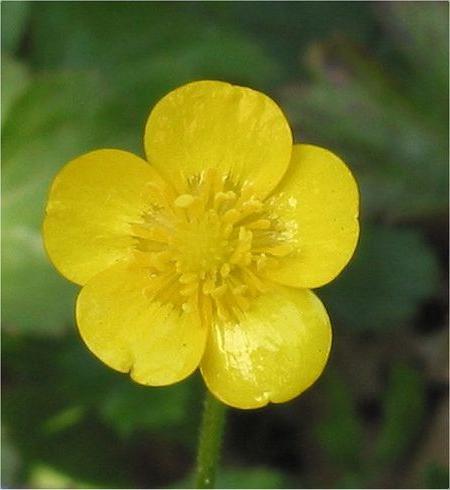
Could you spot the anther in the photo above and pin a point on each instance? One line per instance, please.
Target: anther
(227, 230)
(260, 224)
(160, 260)
(281, 250)
(208, 287)
(225, 270)
(219, 291)
(188, 278)
(252, 206)
(184, 201)
(231, 216)
(239, 290)
(292, 202)
(261, 262)
(186, 307)
(221, 197)
(189, 290)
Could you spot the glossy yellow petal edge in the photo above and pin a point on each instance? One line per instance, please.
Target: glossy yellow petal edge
(126, 325)
(276, 351)
(239, 132)
(318, 199)
(94, 201)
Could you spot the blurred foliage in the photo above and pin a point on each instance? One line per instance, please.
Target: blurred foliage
(340, 431)
(14, 23)
(171, 42)
(50, 121)
(249, 477)
(393, 271)
(14, 81)
(404, 407)
(436, 476)
(390, 125)
(367, 80)
(58, 395)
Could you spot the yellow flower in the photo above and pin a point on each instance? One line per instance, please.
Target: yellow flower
(204, 256)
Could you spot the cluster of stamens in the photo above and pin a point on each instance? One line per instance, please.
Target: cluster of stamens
(207, 249)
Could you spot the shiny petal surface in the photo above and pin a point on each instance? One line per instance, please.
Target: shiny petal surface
(125, 325)
(319, 201)
(209, 124)
(92, 203)
(277, 350)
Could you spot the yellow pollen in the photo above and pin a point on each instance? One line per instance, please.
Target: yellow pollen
(207, 249)
(225, 270)
(231, 216)
(281, 250)
(260, 224)
(184, 201)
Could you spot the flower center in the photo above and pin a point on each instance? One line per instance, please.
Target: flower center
(200, 246)
(207, 249)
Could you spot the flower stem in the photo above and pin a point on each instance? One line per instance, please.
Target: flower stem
(210, 440)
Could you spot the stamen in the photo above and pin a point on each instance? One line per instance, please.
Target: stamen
(188, 278)
(231, 216)
(260, 224)
(184, 201)
(281, 250)
(219, 291)
(225, 270)
(222, 197)
(208, 249)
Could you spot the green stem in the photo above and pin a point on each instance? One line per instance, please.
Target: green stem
(210, 441)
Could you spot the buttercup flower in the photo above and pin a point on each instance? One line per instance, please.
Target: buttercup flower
(204, 255)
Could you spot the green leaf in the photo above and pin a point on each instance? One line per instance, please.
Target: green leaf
(351, 480)
(251, 478)
(266, 22)
(358, 127)
(63, 420)
(59, 395)
(14, 20)
(131, 408)
(11, 461)
(14, 81)
(392, 273)
(340, 432)
(130, 43)
(38, 411)
(46, 476)
(35, 296)
(353, 107)
(248, 477)
(404, 409)
(50, 124)
(436, 476)
(420, 32)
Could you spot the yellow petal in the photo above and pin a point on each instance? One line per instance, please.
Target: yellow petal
(92, 202)
(129, 329)
(319, 201)
(277, 350)
(210, 124)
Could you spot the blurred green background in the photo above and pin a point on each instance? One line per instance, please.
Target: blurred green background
(366, 80)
